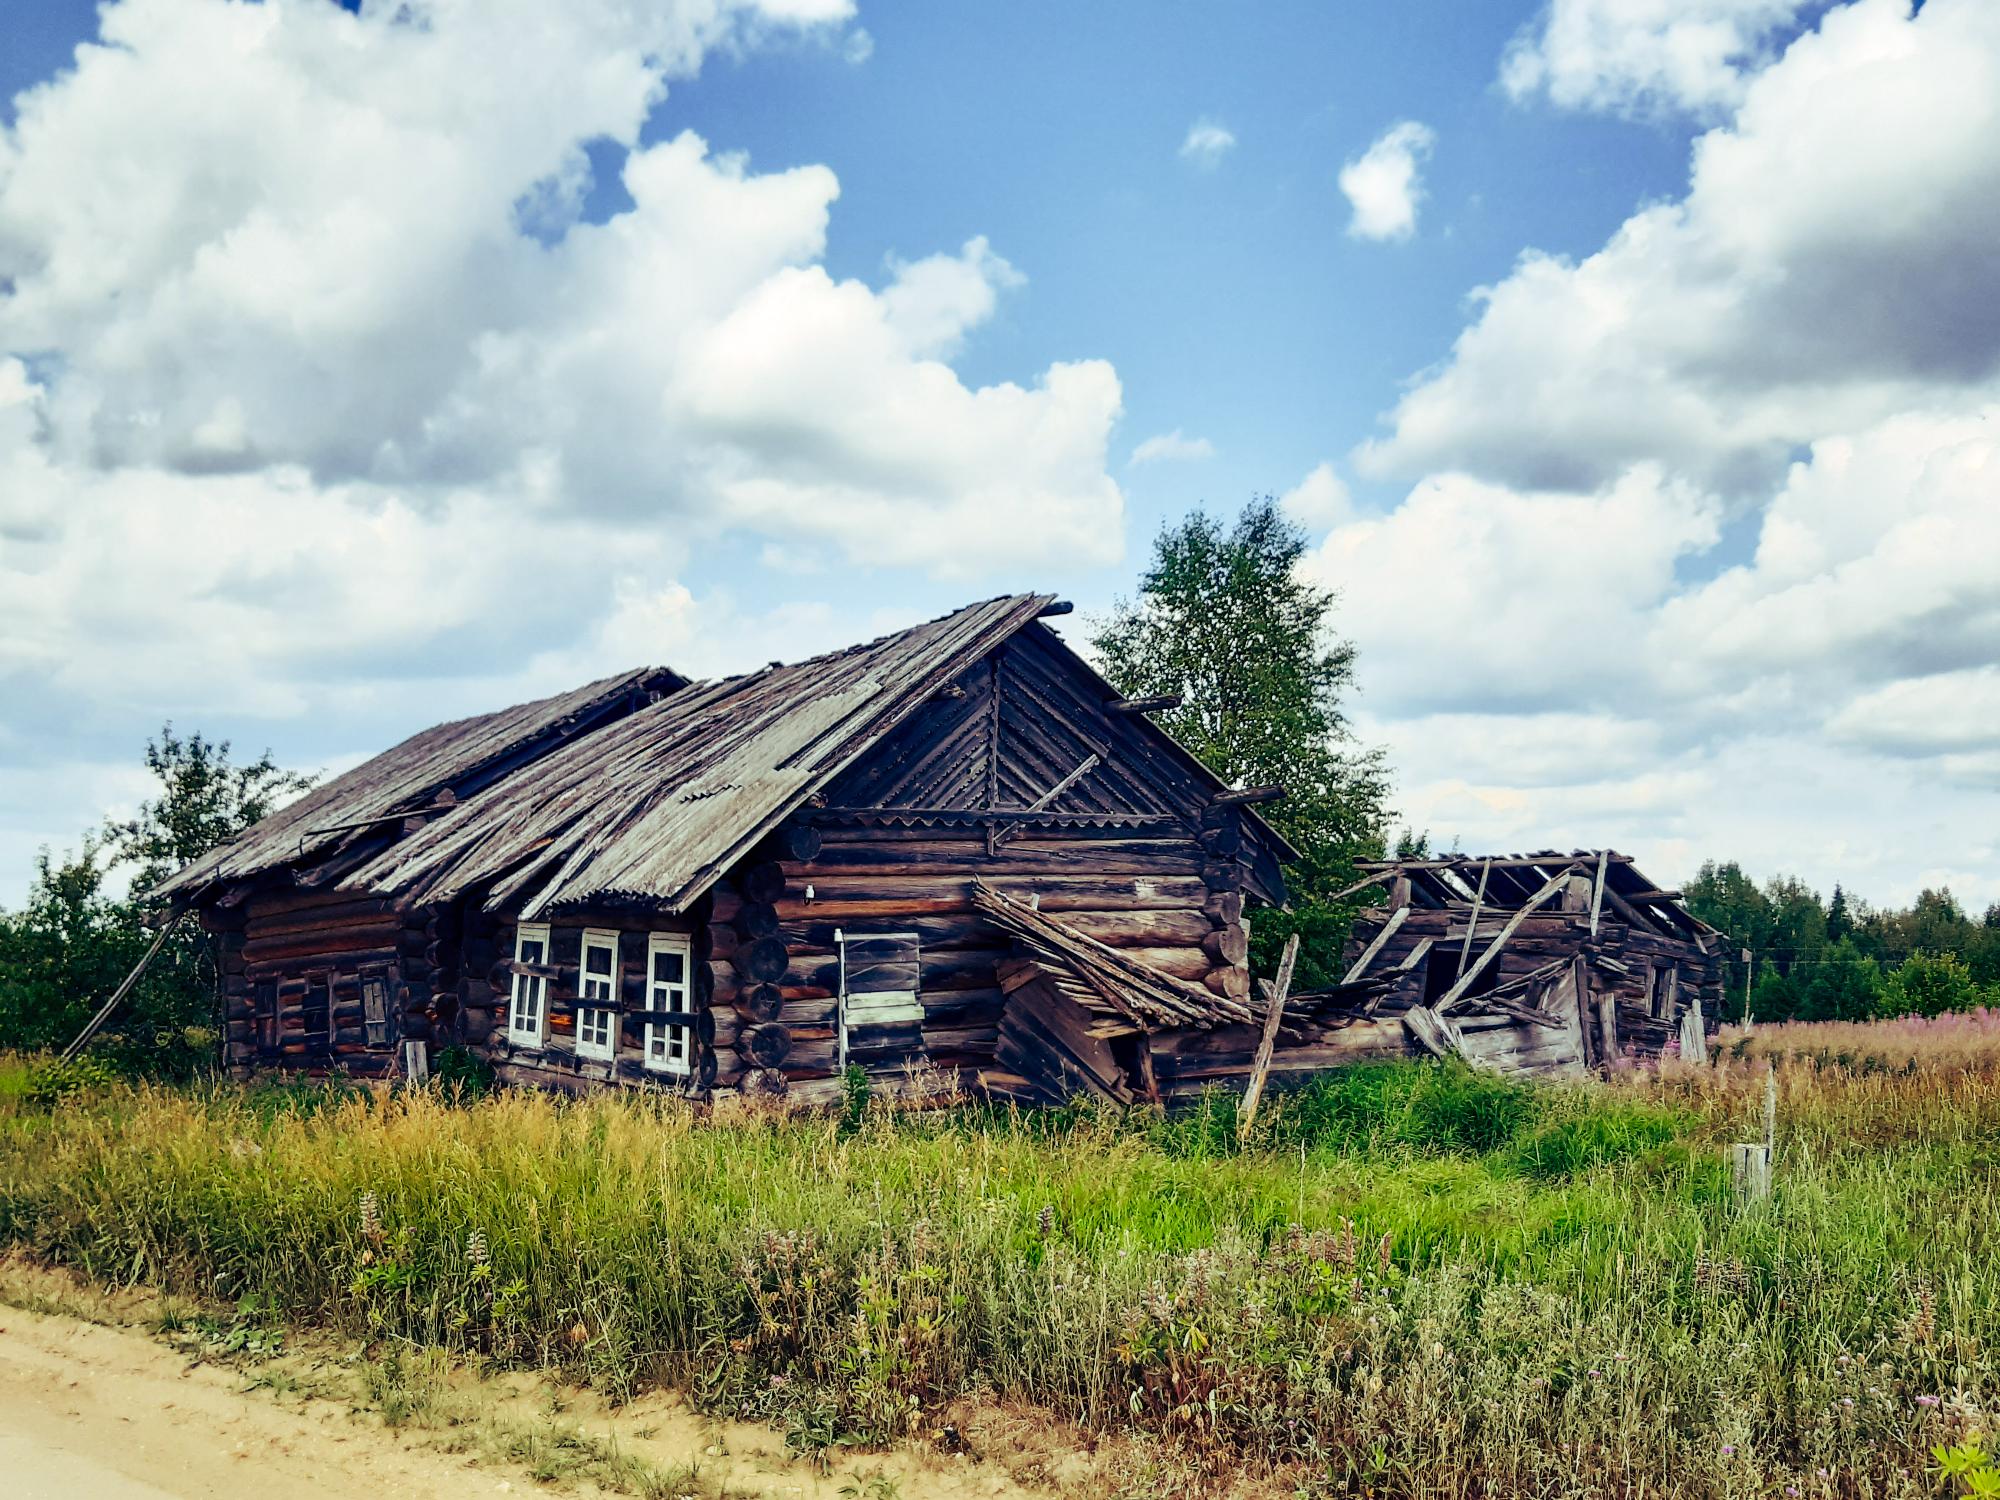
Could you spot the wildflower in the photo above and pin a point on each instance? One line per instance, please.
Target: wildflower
(1825, 1473)
(476, 1251)
(1594, 1374)
(1846, 1400)
(371, 1216)
(1927, 1401)
(1621, 1358)
(1728, 1449)
(1791, 1489)
(1045, 1222)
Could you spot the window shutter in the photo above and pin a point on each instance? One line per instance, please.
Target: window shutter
(375, 1004)
(881, 1009)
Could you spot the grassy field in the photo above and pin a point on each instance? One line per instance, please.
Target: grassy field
(1411, 1282)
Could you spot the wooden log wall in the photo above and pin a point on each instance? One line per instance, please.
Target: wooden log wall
(293, 968)
(1186, 1062)
(777, 963)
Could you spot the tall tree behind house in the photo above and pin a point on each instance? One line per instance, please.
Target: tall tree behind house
(1223, 620)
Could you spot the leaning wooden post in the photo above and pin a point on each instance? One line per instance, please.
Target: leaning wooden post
(1259, 1070)
(118, 995)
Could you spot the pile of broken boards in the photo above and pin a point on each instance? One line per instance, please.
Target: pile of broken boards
(1542, 965)
(1083, 1019)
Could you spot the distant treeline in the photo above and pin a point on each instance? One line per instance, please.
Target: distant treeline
(1843, 959)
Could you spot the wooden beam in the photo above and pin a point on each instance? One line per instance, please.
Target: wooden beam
(1246, 796)
(1472, 926)
(1464, 982)
(1466, 861)
(1261, 1068)
(1433, 1032)
(1054, 607)
(1361, 885)
(997, 835)
(1158, 704)
(1084, 768)
(1597, 891)
(1396, 919)
(1645, 921)
(118, 995)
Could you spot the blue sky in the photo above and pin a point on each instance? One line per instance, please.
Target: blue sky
(312, 440)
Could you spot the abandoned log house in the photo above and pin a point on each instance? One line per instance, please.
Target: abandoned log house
(1537, 964)
(954, 848)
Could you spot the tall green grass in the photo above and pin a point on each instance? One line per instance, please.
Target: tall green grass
(1412, 1280)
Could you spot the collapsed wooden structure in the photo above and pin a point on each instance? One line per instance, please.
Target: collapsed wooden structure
(954, 848)
(1543, 963)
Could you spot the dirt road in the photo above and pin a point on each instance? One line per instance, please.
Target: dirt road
(98, 1413)
(94, 1407)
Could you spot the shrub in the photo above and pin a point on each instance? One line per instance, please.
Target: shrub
(52, 1081)
(462, 1071)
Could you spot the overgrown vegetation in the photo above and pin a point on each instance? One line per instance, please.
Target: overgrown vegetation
(1411, 1281)
(66, 950)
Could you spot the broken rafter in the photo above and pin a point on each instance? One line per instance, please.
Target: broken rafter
(1472, 926)
(1396, 919)
(1469, 861)
(1361, 885)
(1158, 704)
(1464, 983)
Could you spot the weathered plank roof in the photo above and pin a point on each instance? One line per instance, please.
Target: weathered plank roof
(649, 809)
(450, 761)
(654, 808)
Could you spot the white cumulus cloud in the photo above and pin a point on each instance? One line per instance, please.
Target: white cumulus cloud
(1172, 448)
(1646, 57)
(316, 382)
(1207, 142)
(1384, 184)
(1830, 262)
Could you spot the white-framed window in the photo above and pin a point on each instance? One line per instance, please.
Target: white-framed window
(597, 995)
(669, 956)
(528, 1010)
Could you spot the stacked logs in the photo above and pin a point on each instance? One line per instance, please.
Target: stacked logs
(772, 930)
(303, 956)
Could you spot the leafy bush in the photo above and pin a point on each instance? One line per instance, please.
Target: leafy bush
(463, 1072)
(52, 1082)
